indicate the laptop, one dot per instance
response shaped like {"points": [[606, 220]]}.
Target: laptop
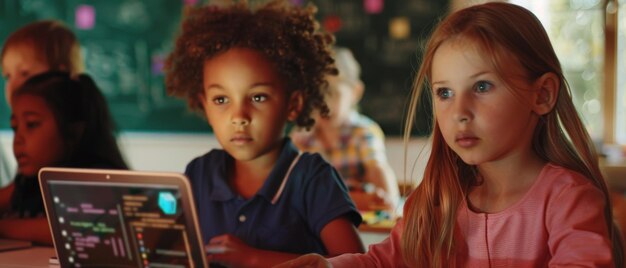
{"points": [[113, 218]]}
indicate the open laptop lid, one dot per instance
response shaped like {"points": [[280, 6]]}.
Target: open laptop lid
{"points": [[119, 218]]}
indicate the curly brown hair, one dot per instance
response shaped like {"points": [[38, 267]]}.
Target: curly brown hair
{"points": [[287, 35]]}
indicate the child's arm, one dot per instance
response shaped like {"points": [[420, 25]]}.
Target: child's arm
{"points": [[377, 170], [339, 236], [35, 230], [232, 252], [384, 254], [578, 231], [308, 260], [381, 175]]}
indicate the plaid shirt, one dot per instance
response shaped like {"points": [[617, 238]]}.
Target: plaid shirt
{"points": [[362, 141]]}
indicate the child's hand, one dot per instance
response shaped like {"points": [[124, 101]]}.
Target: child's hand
{"points": [[230, 251], [309, 261], [369, 201]]}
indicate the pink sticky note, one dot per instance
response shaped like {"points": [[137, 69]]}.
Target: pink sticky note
{"points": [[158, 62], [297, 2], [373, 6], [85, 17]]}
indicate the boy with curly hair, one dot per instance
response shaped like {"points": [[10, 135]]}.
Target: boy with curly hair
{"points": [[251, 70]]}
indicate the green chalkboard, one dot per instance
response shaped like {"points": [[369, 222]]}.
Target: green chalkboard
{"points": [[125, 48], [388, 60], [123, 45]]}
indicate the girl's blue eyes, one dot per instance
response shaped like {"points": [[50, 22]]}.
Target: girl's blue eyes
{"points": [[480, 87], [483, 86], [444, 93]]}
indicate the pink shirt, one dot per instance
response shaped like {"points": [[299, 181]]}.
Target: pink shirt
{"points": [[559, 222]]}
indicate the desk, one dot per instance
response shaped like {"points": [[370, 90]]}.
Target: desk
{"points": [[374, 228], [30, 257], [370, 238]]}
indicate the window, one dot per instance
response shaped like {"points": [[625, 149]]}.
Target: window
{"points": [[620, 94], [576, 29]]}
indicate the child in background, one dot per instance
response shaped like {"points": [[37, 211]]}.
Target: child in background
{"points": [[260, 201], [512, 179], [36, 48], [350, 141], [60, 122], [32, 49]]}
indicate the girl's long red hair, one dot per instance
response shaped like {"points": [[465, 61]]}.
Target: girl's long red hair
{"points": [[504, 31]]}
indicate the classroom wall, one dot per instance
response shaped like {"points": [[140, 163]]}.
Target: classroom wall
{"points": [[124, 44], [172, 151]]}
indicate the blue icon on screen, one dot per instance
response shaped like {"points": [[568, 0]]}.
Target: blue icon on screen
{"points": [[167, 203]]}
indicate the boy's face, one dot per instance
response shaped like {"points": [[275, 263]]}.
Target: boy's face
{"points": [[18, 64], [246, 104], [340, 101], [37, 141]]}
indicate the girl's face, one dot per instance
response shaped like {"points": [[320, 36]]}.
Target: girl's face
{"points": [[37, 142], [18, 64], [246, 104], [480, 118]]}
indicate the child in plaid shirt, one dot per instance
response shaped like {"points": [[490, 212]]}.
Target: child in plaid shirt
{"points": [[353, 143]]}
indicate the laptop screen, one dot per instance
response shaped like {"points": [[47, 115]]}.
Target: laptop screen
{"points": [[122, 221]]}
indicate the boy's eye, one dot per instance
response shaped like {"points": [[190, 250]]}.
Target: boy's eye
{"points": [[259, 98], [444, 93], [33, 124], [483, 86], [220, 100]]}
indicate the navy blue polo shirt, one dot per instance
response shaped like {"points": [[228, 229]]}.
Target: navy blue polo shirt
{"points": [[313, 195]]}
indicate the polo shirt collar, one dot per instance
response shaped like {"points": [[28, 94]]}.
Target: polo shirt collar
{"points": [[272, 184], [221, 187]]}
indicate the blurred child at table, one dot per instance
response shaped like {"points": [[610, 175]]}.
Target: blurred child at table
{"points": [[32, 49], [251, 70], [57, 121], [350, 141], [512, 179]]}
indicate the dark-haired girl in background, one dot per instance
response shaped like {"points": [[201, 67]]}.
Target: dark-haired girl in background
{"points": [[58, 121]]}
